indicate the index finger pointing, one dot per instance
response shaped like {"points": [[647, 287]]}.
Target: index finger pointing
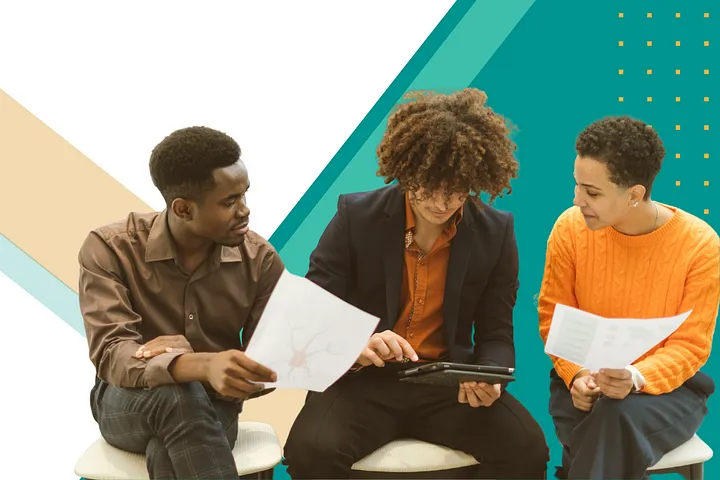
{"points": [[407, 349]]}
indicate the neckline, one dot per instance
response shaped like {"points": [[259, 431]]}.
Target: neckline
{"points": [[648, 238]]}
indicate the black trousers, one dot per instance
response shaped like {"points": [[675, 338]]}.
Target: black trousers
{"points": [[362, 412], [621, 439], [184, 433]]}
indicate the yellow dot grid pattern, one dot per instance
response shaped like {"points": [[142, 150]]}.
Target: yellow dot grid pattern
{"points": [[706, 99]]}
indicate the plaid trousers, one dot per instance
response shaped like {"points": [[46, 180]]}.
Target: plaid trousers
{"points": [[184, 433]]}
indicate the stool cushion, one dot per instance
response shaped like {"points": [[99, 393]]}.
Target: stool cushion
{"points": [[257, 449], [408, 455], [691, 452]]}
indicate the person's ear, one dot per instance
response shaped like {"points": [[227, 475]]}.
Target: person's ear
{"points": [[637, 194], [183, 209]]}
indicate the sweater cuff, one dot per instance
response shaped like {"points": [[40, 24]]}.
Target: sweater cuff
{"points": [[567, 371], [637, 378]]}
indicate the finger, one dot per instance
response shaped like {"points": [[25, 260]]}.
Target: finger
{"points": [[490, 389], [395, 348], [407, 349], [473, 399], [606, 382], [154, 350], [462, 396], [378, 345], [580, 388], [240, 388], [373, 357], [616, 373], [579, 396], [484, 396], [259, 373]]}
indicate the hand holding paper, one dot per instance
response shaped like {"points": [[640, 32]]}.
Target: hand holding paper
{"points": [[308, 336], [595, 342]]}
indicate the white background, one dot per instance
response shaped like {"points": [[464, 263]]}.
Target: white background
{"points": [[288, 80]]}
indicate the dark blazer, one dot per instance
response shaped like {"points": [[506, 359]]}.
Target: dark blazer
{"points": [[359, 258]]}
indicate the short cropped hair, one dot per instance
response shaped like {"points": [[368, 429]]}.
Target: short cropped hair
{"points": [[452, 143], [631, 150], [182, 164]]}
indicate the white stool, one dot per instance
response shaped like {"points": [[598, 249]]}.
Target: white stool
{"points": [[413, 456], [687, 460], [257, 451]]}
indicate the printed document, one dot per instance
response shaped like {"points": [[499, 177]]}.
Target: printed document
{"points": [[308, 336], [596, 342]]}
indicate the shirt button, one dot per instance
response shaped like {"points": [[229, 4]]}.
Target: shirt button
{"points": [[420, 301], [411, 335], [191, 316]]}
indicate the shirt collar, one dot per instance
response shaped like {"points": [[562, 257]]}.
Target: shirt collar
{"points": [[160, 246]]}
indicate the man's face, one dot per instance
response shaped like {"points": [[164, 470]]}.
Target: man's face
{"points": [[223, 215], [437, 209], [601, 202]]}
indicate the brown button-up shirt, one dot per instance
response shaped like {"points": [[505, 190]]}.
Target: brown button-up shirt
{"points": [[423, 290], [132, 290]]}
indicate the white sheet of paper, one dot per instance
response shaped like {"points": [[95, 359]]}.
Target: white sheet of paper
{"points": [[596, 342], [308, 336]]}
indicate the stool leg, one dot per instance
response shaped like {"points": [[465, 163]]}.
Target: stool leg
{"points": [[695, 471]]}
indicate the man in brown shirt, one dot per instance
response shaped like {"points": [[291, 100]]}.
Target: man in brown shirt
{"points": [[169, 299], [440, 270]]}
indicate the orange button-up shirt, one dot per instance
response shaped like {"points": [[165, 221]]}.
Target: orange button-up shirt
{"points": [[423, 289]]}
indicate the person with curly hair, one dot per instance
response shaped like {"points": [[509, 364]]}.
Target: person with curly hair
{"points": [[617, 253], [440, 269], [164, 297]]}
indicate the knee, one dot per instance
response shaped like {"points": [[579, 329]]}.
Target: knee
{"points": [[191, 398], [309, 454], [610, 411], [536, 452]]}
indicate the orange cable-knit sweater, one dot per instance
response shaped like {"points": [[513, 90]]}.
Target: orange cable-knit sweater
{"points": [[670, 271]]}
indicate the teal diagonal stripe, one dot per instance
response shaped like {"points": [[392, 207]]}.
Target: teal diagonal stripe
{"points": [[40, 283], [360, 135], [480, 27]]}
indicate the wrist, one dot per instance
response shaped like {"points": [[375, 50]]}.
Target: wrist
{"points": [[191, 367]]}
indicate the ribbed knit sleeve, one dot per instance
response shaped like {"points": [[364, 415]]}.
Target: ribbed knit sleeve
{"points": [[688, 348]]}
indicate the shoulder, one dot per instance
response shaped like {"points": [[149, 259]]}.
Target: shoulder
{"points": [[129, 227], [129, 233], [259, 250], [697, 234], [370, 201], [568, 225], [481, 212], [570, 219]]}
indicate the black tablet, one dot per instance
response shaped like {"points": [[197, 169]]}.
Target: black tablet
{"points": [[452, 374]]}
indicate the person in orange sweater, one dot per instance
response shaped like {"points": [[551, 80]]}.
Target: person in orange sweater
{"points": [[619, 254]]}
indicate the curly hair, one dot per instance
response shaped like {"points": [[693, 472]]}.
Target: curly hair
{"points": [[632, 151], [182, 165], [451, 143]]}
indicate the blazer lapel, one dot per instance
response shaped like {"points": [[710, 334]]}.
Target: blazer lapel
{"points": [[460, 251], [393, 244]]}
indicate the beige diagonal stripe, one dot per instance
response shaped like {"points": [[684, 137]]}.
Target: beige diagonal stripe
{"points": [[52, 196]]}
